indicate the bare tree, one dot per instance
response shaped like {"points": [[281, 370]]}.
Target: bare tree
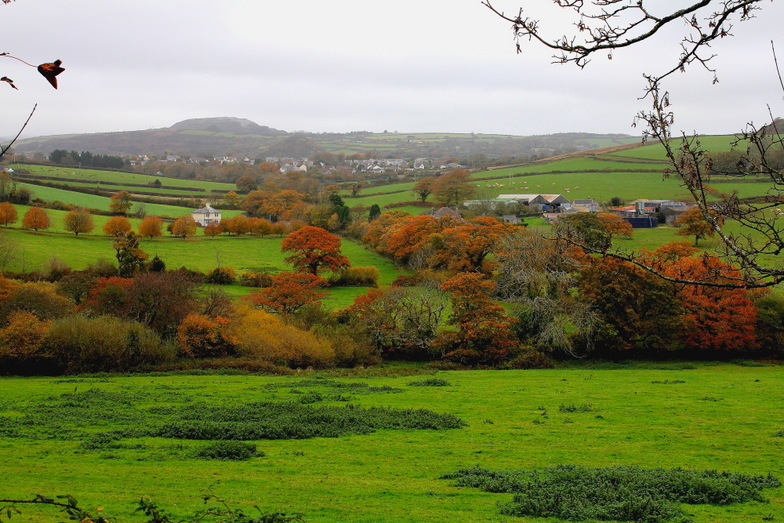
{"points": [[604, 26]]}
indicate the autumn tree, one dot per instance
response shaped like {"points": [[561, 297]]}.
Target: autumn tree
{"points": [[289, 292], [231, 200], [8, 214], [184, 226], [120, 203], [213, 229], [36, 218], [424, 187], [453, 187], [314, 250], [692, 222], [238, 225], [465, 246], [483, 332], [615, 225], [77, 221], [151, 227], [584, 229], [117, 226], [715, 318]]}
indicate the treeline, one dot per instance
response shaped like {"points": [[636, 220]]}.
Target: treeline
{"points": [[86, 159]]}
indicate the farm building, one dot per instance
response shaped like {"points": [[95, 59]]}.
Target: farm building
{"points": [[206, 215]]}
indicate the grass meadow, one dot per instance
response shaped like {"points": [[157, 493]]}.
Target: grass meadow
{"points": [[91, 437]]}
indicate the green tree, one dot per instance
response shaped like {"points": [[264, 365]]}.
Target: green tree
{"points": [[120, 203], [454, 187], [130, 258]]}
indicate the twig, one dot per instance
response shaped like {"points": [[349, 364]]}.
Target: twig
{"points": [[3, 150]]}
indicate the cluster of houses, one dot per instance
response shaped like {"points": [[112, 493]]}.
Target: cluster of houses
{"points": [[641, 213]]}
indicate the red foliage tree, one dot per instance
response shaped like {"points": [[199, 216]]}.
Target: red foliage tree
{"points": [[289, 292], [200, 336], [314, 251], [484, 334]]}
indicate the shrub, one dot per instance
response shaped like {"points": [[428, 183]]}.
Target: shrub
{"points": [[429, 382], [221, 276], [356, 277], [531, 360], [262, 335], [103, 344], [576, 493], [229, 450], [255, 279], [21, 340], [200, 336], [40, 299]]}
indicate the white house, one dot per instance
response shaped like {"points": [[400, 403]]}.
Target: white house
{"points": [[206, 215]]}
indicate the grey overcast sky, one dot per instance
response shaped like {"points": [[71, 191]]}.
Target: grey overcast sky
{"points": [[356, 65]]}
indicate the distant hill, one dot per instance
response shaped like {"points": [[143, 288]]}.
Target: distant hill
{"points": [[241, 137]]}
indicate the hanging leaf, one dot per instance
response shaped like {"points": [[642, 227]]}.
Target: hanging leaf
{"points": [[50, 71], [9, 81]]}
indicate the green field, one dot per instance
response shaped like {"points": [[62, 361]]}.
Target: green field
{"points": [[720, 417]]}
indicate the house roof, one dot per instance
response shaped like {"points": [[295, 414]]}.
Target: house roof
{"points": [[205, 210]]}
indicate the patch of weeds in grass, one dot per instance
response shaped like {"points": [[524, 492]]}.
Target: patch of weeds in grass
{"points": [[748, 363], [584, 407], [779, 434], [354, 387], [282, 420], [229, 451], [429, 382], [310, 398], [711, 398], [668, 382], [577, 493]]}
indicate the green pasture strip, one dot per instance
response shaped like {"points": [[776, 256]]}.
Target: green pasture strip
{"points": [[200, 252], [722, 417], [92, 201], [88, 176]]}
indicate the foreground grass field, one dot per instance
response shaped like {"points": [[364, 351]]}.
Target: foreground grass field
{"points": [[722, 417]]}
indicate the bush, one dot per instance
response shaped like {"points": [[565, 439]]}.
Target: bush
{"points": [[104, 344], [255, 279], [429, 382], [576, 493], [356, 277], [229, 450], [221, 276], [531, 360]]}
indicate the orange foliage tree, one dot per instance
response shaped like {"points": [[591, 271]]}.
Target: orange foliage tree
{"points": [[693, 223], [117, 226], [151, 227], [21, 338], [8, 214], [453, 187], [200, 336], [77, 221], [289, 292], [615, 225], [184, 226], [213, 229], [314, 251], [484, 334], [466, 245], [715, 318], [36, 218]]}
